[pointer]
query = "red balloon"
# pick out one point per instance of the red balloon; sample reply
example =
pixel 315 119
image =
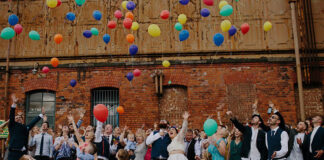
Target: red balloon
pixel 112 24
pixel 245 28
pixel 45 70
pixel 137 72
pixel 209 2
pixel 165 14
pixel 18 28
pixel 128 23
pixel 59 2
pixel 118 14
pixel 100 111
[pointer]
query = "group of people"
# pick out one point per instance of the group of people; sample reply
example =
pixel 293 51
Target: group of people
pixel 253 141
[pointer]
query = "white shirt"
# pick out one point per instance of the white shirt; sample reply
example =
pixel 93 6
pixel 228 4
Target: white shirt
pixel 296 153
pixel 284 143
pixel 153 137
pixel 98 139
pixel 254 152
pixel 197 147
pixel 47 144
pixel 312 137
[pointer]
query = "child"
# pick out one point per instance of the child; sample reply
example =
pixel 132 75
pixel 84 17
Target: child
pixel 122 155
pixel 131 145
pixel 86 151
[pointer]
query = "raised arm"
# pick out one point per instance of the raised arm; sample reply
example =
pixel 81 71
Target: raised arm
pixel 80 119
pixel 122 136
pixel 236 123
pixel 36 120
pixel 76 131
pixel 184 127
pixel 12 110
pixel 98 137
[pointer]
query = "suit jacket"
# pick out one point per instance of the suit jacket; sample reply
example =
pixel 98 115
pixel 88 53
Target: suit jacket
pixel 317 144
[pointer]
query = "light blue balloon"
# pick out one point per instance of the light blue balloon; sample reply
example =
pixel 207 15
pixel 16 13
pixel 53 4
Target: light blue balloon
pixel 218 39
pixel 7 33
pixel 210 127
pixel 227 10
pixel 183 35
pixel 94 31
pixel 178 26
pixel 34 35
pixel 106 38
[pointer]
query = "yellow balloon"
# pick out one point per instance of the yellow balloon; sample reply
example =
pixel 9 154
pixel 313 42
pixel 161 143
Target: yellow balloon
pixel 154 30
pixel 166 63
pixel 267 26
pixel 135 26
pixel 124 4
pixel 222 4
pixel 51 3
pixel 226 25
pixel 182 18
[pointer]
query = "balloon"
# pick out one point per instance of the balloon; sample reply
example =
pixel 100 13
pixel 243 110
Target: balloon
pixel 51 3
pixel 205 12
pixel 133 50
pixel 129 15
pixel 94 31
pixel 34 35
pixel 118 14
pixel 137 72
pixel 210 127
pixel 226 25
pixel 166 63
pixel 183 35
pixel 184 2
pixel 112 24
pixel 13 19
pixel 54 62
pixel 245 28
pixel 209 2
pixel 218 39
pixel 135 26
pixel 120 110
pixel 130 38
pixel 96 15
pixel 73 82
pixel 227 10
pixel 178 26
pixel 18 28
pixel 154 30
pixel 80 2
pixel 70 16
pixel 130 76
pixel 222 4
pixel 59 2
pixel 100 111
pixel 106 38
pixel 267 26
pixel 182 18
pixel 232 31
pixel 130 5
pixel 165 14
pixel 124 4
pixel 45 70
pixel 7 33
pixel 87 33
pixel 58 38
pixel 128 23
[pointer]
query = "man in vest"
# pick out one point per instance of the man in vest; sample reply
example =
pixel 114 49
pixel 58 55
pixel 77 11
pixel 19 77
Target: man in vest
pixel 160 141
pixel 192 146
pixel 104 143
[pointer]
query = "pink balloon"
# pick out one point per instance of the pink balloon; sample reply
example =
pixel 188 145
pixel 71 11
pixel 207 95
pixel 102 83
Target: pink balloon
pixel 45 69
pixel 118 14
pixel 18 28
pixel 137 72
pixel 209 2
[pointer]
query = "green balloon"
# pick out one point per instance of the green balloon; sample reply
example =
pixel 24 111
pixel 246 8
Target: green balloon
pixel 210 127
pixel 34 35
pixel 79 2
pixel 94 31
pixel 178 26
pixel 227 10
pixel 236 0
pixel 7 33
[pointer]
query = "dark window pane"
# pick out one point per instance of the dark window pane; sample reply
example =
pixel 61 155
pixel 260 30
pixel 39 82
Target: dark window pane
pixel 36 97
pixel 35 107
pixel 48 97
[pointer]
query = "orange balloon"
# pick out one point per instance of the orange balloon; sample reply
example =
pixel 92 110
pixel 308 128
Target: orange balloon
pixel 58 38
pixel 130 15
pixel 54 62
pixel 120 110
pixel 130 38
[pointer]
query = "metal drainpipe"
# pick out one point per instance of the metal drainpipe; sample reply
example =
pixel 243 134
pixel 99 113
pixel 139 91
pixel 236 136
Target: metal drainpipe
pixel 7 79
pixel 299 75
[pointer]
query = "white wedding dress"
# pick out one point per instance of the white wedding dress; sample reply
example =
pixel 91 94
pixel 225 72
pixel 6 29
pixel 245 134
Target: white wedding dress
pixel 178 144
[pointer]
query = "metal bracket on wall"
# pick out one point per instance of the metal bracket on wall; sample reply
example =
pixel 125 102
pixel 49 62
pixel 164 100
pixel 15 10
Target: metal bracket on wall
pixel 158 80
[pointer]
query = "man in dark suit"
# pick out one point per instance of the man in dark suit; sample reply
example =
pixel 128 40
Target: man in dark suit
pixel 314 142
pixel 19 132
pixel 192 146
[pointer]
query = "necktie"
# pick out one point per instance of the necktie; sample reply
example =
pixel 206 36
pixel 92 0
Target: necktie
pixel 41 145
pixel 272 133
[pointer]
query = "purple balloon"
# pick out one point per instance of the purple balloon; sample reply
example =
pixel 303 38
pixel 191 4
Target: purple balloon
pixel 130 5
pixel 184 2
pixel 87 33
pixel 232 31
pixel 130 76
pixel 73 82
pixel 133 50
pixel 205 12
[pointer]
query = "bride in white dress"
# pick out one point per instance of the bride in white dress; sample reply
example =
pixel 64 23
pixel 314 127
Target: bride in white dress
pixel 177 146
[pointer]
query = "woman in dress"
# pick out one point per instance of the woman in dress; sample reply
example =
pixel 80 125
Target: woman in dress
pixel 235 145
pixel 176 147
pixel 217 144
pixel 141 147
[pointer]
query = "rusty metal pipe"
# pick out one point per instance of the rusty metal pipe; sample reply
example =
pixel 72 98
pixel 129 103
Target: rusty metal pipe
pixel 7 79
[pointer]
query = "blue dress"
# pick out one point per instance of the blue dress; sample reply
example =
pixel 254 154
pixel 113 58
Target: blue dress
pixel 214 151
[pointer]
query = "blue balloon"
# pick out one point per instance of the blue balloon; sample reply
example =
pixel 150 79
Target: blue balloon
pixel 73 82
pixel 205 12
pixel 87 33
pixel 184 35
pixel 106 38
pixel 184 2
pixel 218 39
pixel 232 31
pixel 130 76
pixel 97 15
pixel 133 50
pixel 70 16
pixel 13 19
pixel 130 5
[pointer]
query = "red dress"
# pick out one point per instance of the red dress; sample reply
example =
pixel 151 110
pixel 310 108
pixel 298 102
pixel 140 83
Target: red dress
pixel 148 154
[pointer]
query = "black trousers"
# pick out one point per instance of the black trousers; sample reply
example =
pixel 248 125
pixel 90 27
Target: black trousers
pixel 15 155
pixel 42 158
